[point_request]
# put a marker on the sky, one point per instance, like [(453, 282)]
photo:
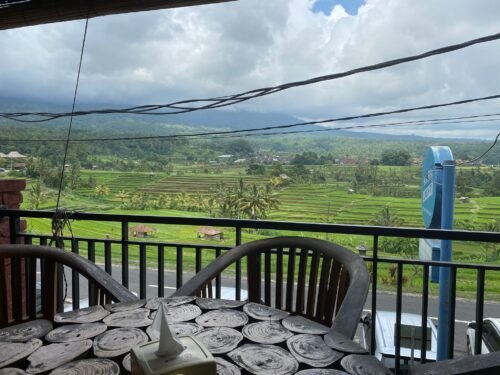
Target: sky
[(226, 48)]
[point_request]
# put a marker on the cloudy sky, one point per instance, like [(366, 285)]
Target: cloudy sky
[(162, 56)]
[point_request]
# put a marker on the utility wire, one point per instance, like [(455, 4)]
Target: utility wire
[(428, 122), (71, 116), (222, 101), (483, 154), (347, 118)]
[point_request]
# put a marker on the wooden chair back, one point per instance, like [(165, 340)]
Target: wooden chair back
[(18, 291), (313, 278)]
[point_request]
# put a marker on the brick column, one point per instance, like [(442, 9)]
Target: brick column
[(11, 198)]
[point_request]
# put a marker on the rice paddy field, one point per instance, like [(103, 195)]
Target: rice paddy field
[(318, 203)]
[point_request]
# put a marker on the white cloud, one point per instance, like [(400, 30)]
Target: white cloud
[(156, 57)]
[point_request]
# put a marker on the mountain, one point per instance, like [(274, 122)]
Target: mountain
[(203, 120)]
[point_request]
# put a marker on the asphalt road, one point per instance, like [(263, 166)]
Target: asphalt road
[(465, 309)]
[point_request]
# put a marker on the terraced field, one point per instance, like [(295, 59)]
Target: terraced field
[(329, 203), (196, 184), (315, 202), (117, 181)]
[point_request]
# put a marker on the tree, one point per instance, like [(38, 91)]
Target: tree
[(101, 190), (238, 147), (276, 169), (395, 157), (122, 195), (491, 249), (387, 218), (36, 194), (255, 169), (253, 203), (140, 201), (306, 158)]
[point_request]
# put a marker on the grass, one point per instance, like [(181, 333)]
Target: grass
[(319, 203)]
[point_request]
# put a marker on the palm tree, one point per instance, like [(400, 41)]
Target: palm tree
[(271, 197), (122, 195), (388, 218), (253, 203), (101, 190), (36, 194)]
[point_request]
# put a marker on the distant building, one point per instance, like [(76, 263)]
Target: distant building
[(464, 199), (142, 230), (210, 233), (347, 161), (239, 161)]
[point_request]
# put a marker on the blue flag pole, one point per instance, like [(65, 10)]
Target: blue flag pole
[(448, 198)]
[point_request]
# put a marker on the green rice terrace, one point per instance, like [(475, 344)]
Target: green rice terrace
[(312, 202)]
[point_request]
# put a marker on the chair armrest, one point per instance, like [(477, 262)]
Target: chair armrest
[(88, 269)]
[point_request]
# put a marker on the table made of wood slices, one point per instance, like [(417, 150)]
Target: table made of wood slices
[(243, 337)]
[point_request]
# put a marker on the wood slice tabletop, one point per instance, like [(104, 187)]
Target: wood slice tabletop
[(263, 312), (180, 313), (12, 371), (299, 324), (91, 366), (264, 359), (124, 306), (341, 343), (181, 328), (26, 331), (226, 368), (267, 332), (118, 341), (357, 364), (11, 352), (76, 332), (127, 365), (321, 371), (219, 340), (312, 350), (87, 315), (223, 318), (54, 355), (212, 304), (243, 337), (154, 303), (129, 318)]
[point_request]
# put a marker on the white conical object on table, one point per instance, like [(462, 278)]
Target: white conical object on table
[(169, 346)]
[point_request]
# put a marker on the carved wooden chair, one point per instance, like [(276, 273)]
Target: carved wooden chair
[(22, 268), (314, 278)]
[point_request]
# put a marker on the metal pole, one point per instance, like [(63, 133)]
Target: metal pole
[(448, 198)]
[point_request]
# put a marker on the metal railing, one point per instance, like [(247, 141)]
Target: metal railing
[(138, 251)]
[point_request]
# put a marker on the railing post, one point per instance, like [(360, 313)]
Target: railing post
[(238, 236), (124, 241), (374, 294)]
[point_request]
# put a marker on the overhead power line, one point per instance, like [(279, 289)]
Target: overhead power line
[(191, 105), (483, 154), (248, 133)]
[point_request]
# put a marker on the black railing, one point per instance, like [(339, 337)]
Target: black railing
[(163, 253)]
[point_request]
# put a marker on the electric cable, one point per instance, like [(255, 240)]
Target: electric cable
[(483, 154), (251, 130)]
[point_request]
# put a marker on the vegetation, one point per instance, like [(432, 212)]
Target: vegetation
[(279, 179)]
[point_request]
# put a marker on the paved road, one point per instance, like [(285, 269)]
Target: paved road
[(465, 309)]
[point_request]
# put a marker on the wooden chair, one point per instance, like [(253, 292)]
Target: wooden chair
[(314, 278), (484, 364), (23, 265)]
